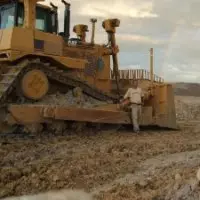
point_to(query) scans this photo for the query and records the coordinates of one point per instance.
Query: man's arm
(142, 95)
(127, 94)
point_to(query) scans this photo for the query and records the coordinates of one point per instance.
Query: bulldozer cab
(12, 15)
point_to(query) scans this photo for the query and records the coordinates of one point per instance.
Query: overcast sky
(171, 27)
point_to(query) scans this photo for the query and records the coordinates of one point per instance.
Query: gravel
(187, 108)
(70, 100)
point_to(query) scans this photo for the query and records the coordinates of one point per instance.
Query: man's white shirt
(134, 95)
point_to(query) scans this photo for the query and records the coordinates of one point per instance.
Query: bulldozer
(39, 62)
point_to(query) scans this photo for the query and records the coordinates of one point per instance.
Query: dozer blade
(108, 114)
(164, 106)
(27, 114)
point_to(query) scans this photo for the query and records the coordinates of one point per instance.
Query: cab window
(20, 14)
(44, 17)
(41, 20)
(7, 16)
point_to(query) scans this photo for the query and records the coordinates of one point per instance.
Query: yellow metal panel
(71, 62)
(22, 39)
(165, 115)
(27, 113)
(52, 48)
(53, 44)
(105, 72)
(146, 118)
(104, 85)
(68, 62)
(82, 53)
(10, 55)
(162, 103)
(5, 39)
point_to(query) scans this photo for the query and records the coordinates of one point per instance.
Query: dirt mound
(70, 99)
(187, 191)
(187, 89)
(187, 108)
(156, 176)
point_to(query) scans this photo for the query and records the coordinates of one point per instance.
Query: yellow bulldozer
(39, 63)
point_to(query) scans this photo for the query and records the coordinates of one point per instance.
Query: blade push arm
(110, 26)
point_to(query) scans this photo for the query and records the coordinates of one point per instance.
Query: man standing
(135, 96)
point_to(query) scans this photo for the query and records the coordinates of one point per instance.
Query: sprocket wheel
(34, 84)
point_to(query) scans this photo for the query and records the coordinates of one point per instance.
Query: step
(14, 69)
(2, 90)
(5, 82)
(8, 78)
(9, 74)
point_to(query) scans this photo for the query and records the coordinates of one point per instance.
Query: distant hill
(187, 89)
(180, 88)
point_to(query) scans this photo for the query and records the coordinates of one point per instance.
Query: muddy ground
(111, 164)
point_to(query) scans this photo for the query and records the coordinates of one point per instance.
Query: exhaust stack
(151, 66)
(55, 9)
(66, 19)
(93, 29)
(110, 26)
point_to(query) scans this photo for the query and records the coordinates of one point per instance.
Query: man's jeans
(136, 111)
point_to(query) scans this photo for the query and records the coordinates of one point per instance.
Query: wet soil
(110, 164)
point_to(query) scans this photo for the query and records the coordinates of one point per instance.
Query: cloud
(139, 38)
(181, 72)
(171, 27)
(118, 8)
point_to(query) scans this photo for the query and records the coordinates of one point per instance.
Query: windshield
(10, 18)
(7, 13)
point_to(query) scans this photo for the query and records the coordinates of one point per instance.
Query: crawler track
(12, 75)
(59, 79)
